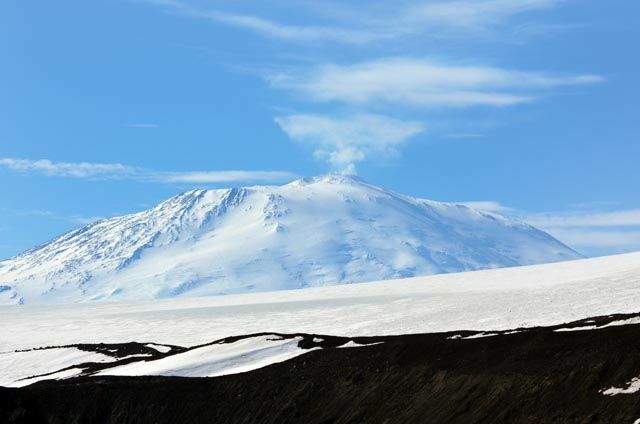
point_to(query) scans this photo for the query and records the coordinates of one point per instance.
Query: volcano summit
(326, 230)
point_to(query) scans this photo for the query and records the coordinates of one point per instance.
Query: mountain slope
(312, 232)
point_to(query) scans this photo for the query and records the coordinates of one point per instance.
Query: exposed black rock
(533, 376)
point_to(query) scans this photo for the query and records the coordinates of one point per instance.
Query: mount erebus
(312, 232)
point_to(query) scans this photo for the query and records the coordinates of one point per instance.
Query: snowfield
(491, 300)
(312, 232)
(481, 300)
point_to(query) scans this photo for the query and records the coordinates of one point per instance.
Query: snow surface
(159, 348)
(489, 300)
(217, 359)
(60, 375)
(585, 328)
(479, 336)
(312, 232)
(629, 321)
(632, 387)
(16, 366)
(351, 343)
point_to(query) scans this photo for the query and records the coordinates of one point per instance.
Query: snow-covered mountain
(312, 232)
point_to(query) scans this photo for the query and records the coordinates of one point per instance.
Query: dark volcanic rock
(533, 376)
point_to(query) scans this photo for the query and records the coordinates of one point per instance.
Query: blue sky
(525, 107)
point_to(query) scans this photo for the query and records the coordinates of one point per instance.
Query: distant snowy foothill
(319, 231)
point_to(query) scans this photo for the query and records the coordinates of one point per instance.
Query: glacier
(320, 231)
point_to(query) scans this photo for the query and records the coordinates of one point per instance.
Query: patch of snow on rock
(217, 359)
(632, 387)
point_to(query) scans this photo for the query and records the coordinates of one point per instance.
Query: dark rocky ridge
(533, 376)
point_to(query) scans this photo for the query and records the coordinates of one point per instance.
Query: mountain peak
(330, 229)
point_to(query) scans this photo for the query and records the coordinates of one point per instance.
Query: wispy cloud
(589, 231)
(473, 14)
(117, 171)
(598, 241)
(273, 29)
(42, 214)
(588, 219)
(34, 212)
(600, 232)
(423, 82)
(346, 141)
(358, 26)
(67, 169)
(462, 136)
(211, 177)
(296, 33)
(86, 220)
(489, 206)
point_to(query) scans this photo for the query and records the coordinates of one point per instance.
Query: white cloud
(389, 81)
(116, 171)
(489, 206)
(423, 82)
(345, 141)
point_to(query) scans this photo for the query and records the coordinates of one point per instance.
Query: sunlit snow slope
(490, 300)
(312, 232)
